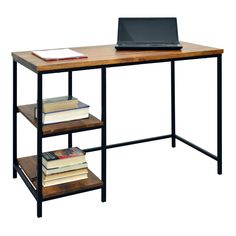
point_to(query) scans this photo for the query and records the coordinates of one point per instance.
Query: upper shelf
(61, 128)
(107, 55)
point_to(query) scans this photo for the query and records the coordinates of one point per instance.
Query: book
(59, 103)
(64, 168)
(64, 180)
(65, 174)
(58, 54)
(63, 157)
(81, 112)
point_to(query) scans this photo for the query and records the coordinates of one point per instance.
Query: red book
(64, 157)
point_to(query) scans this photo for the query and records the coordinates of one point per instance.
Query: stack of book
(63, 166)
(61, 109)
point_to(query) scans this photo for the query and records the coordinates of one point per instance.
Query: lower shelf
(28, 165)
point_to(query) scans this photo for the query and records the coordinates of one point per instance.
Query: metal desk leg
(14, 118)
(70, 94)
(103, 197)
(39, 146)
(173, 103)
(219, 114)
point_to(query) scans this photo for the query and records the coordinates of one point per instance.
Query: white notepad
(58, 54)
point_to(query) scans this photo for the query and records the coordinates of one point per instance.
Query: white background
(152, 189)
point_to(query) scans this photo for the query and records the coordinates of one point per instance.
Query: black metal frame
(15, 110)
(173, 104)
(39, 144)
(219, 114)
(104, 134)
(38, 193)
(70, 141)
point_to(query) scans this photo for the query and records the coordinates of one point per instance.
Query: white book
(64, 168)
(65, 180)
(81, 112)
(58, 54)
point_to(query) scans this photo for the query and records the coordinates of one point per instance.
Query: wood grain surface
(28, 164)
(63, 127)
(108, 55)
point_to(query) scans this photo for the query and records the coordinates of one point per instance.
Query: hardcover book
(62, 158)
(59, 103)
(64, 168)
(80, 112)
(65, 174)
(64, 180)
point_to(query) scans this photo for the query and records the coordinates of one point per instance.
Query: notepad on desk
(58, 54)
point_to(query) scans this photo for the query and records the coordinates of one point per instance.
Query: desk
(102, 57)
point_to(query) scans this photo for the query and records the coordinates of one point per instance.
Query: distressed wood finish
(28, 164)
(54, 129)
(108, 55)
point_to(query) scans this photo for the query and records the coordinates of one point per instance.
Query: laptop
(148, 33)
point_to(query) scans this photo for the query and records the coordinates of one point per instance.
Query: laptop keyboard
(147, 44)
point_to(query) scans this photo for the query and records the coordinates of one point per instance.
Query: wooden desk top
(108, 55)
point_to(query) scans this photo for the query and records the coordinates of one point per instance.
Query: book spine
(63, 110)
(65, 153)
(46, 156)
(64, 169)
(52, 156)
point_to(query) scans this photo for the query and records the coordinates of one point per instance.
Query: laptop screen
(147, 30)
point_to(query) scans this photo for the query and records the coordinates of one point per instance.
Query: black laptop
(148, 33)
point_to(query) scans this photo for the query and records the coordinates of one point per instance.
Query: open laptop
(147, 33)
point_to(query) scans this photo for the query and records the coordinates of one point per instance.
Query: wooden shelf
(60, 128)
(28, 165)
